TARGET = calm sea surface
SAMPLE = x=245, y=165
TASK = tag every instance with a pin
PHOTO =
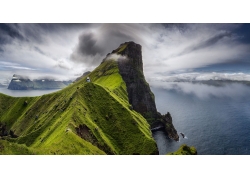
x=216, y=120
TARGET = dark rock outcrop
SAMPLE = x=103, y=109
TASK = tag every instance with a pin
x=25, y=103
x=169, y=127
x=3, y=130
x=131, y=70
x=12, y=134
x=164, y=123
x=140, y=96
x=85, y=133
x=183, y=136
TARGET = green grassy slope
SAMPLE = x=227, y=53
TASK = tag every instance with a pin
x=184, y=150
x=83, y=118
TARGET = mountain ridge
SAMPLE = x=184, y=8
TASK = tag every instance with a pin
x=141, y=97
x=83, y=118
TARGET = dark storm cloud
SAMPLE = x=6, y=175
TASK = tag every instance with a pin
x=87, y=50
x=38, y=37
x=11, y=30
x=204, y=44
x=8, y=33
x=93, y=46
x=182, y=48
x=35, y=32
x=87, y=45
x=166, y=48
x=39, y=46
x=55, y=27
x=112, y=35
x=244, y=31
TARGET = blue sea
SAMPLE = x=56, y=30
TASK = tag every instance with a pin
x=214, y=119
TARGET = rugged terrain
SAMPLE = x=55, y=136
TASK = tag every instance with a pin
x=83, y=118
x=109, y=115
x=140, y=96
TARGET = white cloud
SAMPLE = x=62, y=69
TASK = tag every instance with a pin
x=116, y=57
x=204, y=91
x=195, y=76
x=193, y=47
x=165, y=48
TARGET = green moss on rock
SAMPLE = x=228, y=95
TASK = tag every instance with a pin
x=184, y=150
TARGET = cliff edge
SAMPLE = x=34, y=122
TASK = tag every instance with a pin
x=86, y=117
x=140, y=96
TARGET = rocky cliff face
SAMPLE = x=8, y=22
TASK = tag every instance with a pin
x=83, y=118
x=131, y=70
x=140, y=96
x=169, y=127
x=20, y=83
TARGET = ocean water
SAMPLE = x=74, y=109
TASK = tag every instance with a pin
x=24, y=93
x=214, y=119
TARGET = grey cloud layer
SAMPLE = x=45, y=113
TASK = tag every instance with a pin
x=67, y=49
x=94, y=45
x=206, y=43
x=192, y=77
x=44, y=48
x=203, y=91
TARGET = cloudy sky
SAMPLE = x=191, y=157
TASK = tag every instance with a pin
x=170, y=51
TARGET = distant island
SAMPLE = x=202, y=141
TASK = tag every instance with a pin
x=19, y=82
x=2, y=85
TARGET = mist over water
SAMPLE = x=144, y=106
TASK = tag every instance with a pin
x=232, y=90
x=26, y=93
x=216, y=119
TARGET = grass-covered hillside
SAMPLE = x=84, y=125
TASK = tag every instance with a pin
x=184, y=150
x=83, y=118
